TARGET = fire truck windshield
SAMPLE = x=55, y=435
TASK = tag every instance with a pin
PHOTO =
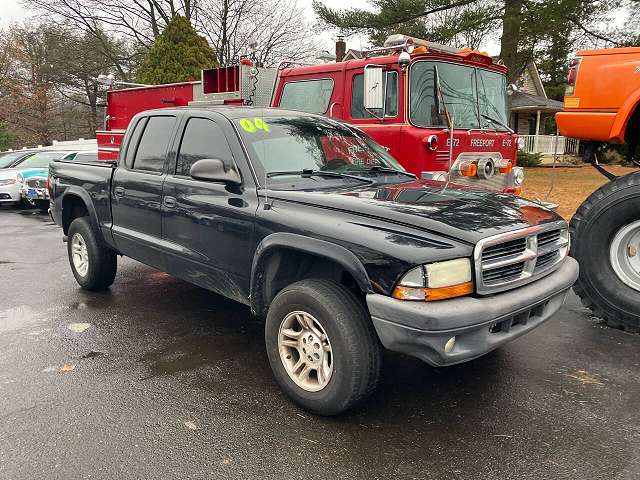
x=471, y=95
x=293, y=144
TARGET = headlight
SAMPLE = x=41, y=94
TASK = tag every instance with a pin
x=518, y=175
x=520, y=142
x=436, y=281
x=9, y=181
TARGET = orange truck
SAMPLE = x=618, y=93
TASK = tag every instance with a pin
x=602, y=98
x=602, y=105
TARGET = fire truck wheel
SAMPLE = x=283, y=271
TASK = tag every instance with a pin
x=605, y=240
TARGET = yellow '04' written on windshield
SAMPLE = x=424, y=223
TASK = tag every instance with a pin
x=252, y=126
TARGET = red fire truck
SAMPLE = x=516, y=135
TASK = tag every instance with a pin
x=406, y=94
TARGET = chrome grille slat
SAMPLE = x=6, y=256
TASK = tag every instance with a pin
x=513, y=259
x=508, y=248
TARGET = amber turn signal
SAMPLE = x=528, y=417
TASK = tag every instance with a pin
x=432, y=294
x=507, y=168
x=469, y=170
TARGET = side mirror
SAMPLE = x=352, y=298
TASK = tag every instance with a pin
x=373, y=87
x=213, y=170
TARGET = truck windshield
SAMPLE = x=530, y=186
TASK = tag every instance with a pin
x=469, y=93
x=279, y=145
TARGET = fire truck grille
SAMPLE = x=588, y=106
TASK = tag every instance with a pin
x=514, y=259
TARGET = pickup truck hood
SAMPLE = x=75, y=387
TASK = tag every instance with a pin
x=456, y=212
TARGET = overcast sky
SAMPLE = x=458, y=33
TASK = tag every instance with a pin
x=13, y=11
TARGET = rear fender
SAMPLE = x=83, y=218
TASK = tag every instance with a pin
x=622, y=117
x=84, y=197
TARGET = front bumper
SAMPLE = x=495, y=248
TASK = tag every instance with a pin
x=9, y=193
x=479, y=325
x=33, y=194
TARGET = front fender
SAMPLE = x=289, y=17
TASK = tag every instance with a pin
x=314, y=246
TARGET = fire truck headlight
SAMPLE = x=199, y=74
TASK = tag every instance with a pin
x=520, y=143
x=518, y=175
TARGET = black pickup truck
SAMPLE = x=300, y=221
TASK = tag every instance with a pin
x=315, y=226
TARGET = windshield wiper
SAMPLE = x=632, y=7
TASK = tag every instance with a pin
x=319, y=173
x=497, y=122
x=378, y=168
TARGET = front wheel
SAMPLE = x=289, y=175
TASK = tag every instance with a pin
x=322, y=347
x=605, y=234
x=93, y=264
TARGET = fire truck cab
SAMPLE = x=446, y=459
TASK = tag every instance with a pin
x=399, y=95
x=406, y=95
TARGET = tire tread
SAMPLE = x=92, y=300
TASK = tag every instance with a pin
x=586, y=213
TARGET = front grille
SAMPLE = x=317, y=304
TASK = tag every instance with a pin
x=36, y=183
x=513, y=259
x=503, y=273
x=513, y=247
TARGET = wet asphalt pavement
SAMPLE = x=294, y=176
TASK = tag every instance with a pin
x=171, y=381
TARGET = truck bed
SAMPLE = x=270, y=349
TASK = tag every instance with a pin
x=87, y=181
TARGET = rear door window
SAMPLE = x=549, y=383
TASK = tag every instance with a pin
x=311, y=96
x=132, y=146
x=202, y=138
x=152, y=149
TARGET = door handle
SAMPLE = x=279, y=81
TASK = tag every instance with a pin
x=119, y=191
x=169, y=202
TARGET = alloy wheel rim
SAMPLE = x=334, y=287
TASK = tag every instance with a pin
x=624, y=255
x=305, y=351
x=79, y=254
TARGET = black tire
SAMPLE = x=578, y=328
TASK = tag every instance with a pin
x=102, y=261
x=355, y=348
x=593, y=228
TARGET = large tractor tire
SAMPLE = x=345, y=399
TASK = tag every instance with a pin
x=605, y=240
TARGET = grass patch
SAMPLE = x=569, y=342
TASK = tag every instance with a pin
x=572, y=185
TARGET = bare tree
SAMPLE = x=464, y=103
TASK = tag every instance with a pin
x=277, y=26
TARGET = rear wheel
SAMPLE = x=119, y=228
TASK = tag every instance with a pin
x=605, y=235
x=93, y=264
x=322, y=347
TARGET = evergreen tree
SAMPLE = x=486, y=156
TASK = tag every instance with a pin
x=527, y=27
x=177, y=55
x=7, y=138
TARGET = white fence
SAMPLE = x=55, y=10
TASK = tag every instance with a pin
x=550, y=144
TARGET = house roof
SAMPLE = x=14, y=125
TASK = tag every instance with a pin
x=521, y=101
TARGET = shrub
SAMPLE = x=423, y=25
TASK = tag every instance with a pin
x=528, y=159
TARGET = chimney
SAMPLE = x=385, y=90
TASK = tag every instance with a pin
x=341, y=48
